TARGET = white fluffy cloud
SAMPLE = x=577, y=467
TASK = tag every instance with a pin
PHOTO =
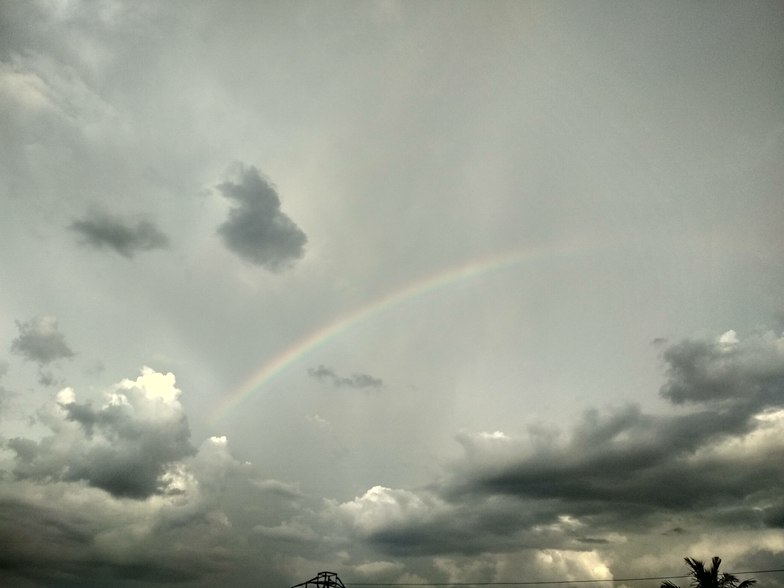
x=118, y=481
x=125, y=446
x=383, y=508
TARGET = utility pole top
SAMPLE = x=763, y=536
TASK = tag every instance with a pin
x=322, y=580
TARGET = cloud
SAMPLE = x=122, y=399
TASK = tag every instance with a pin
x=278, y=488
x=551, y=505
x=98, y=543
x=40, y=341
x=748, y=372
x=68, y=534
x=101, y=230
x=116, y=495
x=46, y=378
x=628, y=462
x=615, y=475
x=295, y=532
x=126, y=447
x=257, y=230
x=323, y=374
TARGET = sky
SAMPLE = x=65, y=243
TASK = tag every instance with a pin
x=407, y=291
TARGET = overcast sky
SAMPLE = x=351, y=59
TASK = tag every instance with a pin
x=411, y=292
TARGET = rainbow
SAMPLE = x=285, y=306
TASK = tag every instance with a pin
x=304, y=346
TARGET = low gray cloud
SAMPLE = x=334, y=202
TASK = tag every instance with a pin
x=257, y=229
x=40, y=341
x=73, y=536
x=125, y=447
x=324, y=374
x=278, y=488
x=617, y=472
x=116, y=495
x=748, y=372
x=46, y=378
x=105, y=231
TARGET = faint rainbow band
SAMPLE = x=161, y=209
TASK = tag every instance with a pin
x=442, y=279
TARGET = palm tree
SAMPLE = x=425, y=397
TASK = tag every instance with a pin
x=710, y=578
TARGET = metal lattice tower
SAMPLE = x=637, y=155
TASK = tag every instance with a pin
x=322, y=580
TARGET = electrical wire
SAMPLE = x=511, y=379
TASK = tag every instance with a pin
x=549, y=582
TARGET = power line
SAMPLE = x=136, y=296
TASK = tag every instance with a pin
x=526, y=583
x=549, y=582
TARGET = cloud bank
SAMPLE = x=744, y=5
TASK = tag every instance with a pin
x=618, y=475
x=118, y=482
x=115, y=494
x=257, y=229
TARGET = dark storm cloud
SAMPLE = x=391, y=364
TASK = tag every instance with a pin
x=751, y=371
x=36, y=538
x=49, y=546
x=257, y=230
x=643, y=467
x=101, y=230
x=620, y=471
x=66, y=533
x=115, y=495
x=324, y=374
x=4, y=393
x=470, y=526
x=39, y=340
x=627, y=460
x=124, y=447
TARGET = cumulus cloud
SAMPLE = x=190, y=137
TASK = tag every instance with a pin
x=547, y=505
x=616, y=474
x=68, y=534
x=628, y=462
x=747, y=372
x=324, y=374
x=125, y=447
x=40, y=341
x=382, y=508
x=116, y=495
x=257, y=229
x=105, y=231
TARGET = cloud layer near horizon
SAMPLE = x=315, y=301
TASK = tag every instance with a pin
x=563, y=501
